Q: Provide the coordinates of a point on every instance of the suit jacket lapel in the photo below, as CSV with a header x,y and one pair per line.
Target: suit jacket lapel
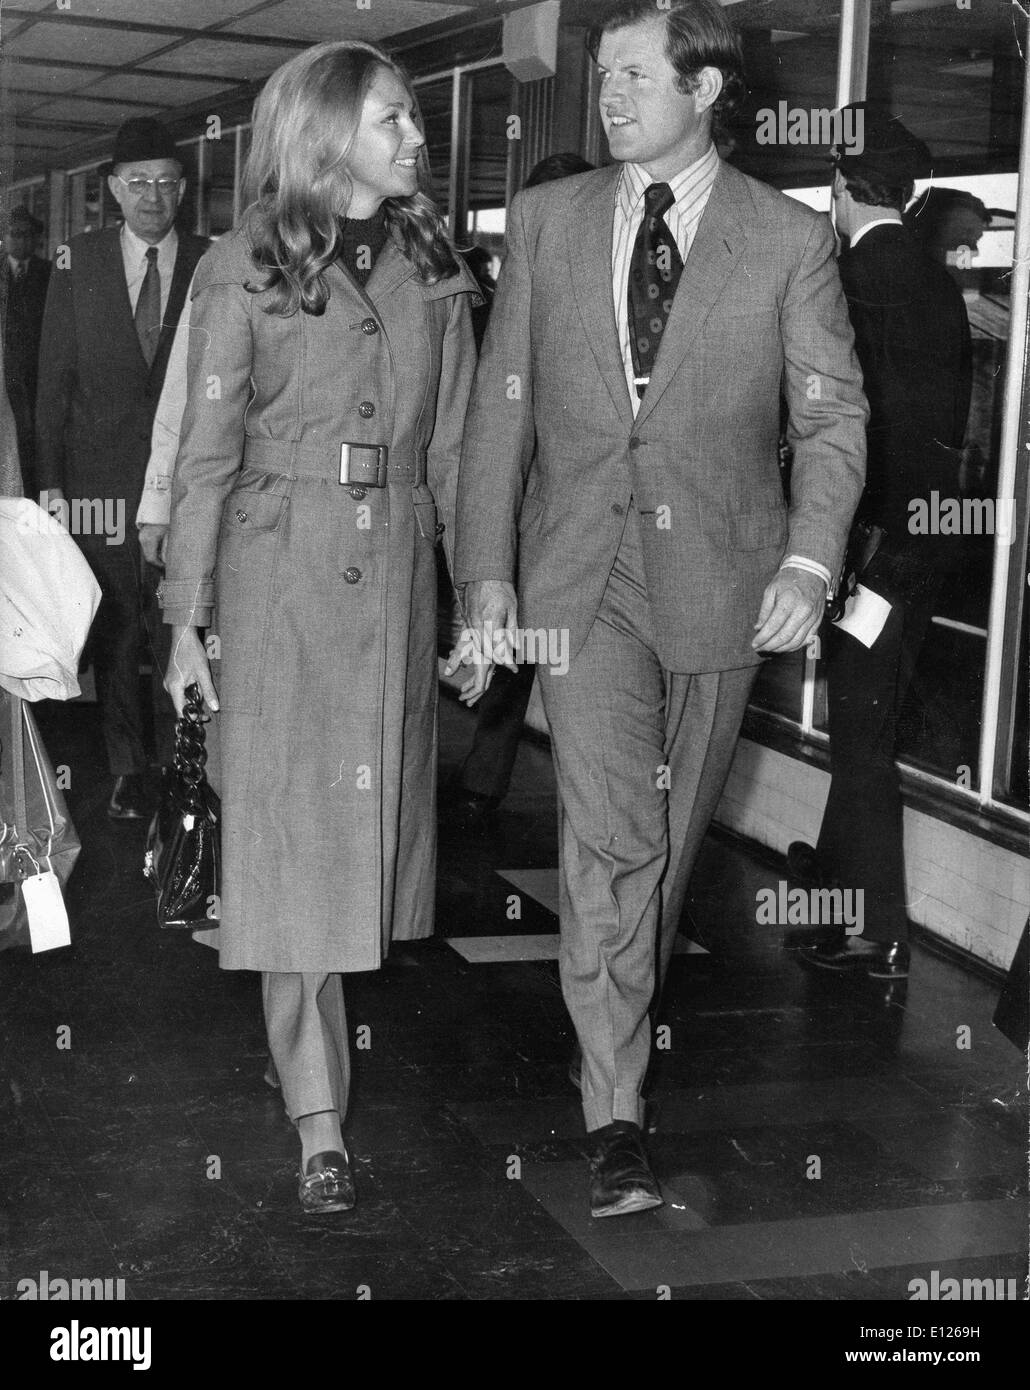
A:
x,y
114,290
589,230
717,247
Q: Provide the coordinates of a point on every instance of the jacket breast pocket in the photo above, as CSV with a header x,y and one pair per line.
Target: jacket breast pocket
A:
x,y
250,546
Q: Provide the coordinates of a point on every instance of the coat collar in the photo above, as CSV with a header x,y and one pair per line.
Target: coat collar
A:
x,y
589,230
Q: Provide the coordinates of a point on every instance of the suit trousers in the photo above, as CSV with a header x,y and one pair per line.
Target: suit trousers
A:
x,y
641,755
126,631
860,841
501,715
307,1037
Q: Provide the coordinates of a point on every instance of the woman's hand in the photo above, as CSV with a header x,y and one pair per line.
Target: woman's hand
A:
x,y
187,664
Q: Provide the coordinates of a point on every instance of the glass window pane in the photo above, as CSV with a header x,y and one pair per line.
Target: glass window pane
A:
x,y
434,98
221,168
491,101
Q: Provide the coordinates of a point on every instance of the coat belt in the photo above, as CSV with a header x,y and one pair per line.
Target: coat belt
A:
x,y
348,461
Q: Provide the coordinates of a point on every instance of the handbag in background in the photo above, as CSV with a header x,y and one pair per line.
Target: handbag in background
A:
x,y
38,843
183,858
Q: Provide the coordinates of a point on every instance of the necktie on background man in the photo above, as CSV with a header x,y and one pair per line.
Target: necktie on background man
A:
x,y
148,308
654,274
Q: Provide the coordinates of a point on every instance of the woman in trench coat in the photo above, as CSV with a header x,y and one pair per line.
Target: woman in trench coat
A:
x,y
330,362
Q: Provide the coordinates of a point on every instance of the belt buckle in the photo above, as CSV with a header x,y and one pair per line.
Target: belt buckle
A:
x,y
368,474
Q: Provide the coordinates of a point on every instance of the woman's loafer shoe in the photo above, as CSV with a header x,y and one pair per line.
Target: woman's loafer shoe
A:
x,y
327,1183
621,1180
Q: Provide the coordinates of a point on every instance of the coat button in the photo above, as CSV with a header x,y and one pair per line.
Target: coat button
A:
x,y
616,509
369,326
240,515
366,410
352,575
357,493
440,528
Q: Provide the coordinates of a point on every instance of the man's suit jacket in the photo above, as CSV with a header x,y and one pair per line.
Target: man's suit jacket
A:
x,y
759,305
97,396
913,342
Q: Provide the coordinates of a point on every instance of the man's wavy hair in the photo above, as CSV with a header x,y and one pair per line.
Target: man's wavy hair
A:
x,y
697,35
297,185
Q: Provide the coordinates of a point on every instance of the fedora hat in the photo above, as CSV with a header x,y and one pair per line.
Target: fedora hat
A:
x,y
141,139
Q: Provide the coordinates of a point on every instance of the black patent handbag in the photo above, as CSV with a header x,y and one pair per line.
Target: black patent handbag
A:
x,y
183,858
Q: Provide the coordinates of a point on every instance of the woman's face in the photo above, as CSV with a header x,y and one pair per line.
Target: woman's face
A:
x,y
383,158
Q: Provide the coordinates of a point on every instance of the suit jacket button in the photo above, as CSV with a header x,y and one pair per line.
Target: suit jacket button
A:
x,y
352,575
440,528
616,509
369,326
366,410
357,493
634,443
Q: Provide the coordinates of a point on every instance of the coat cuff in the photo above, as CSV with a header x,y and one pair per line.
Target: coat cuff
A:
x,y
186,603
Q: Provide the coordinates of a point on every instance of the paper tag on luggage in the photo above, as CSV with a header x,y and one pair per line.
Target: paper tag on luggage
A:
x,y
864,616
48,916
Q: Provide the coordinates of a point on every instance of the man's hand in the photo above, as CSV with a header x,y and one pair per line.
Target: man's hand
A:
x,y
490,609
792,609
153,541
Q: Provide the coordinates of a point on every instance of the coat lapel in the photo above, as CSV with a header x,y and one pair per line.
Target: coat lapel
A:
x,y
589,230
717,247
187,255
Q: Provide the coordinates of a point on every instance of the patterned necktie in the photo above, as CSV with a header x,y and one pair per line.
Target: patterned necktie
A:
x,y
148,308
654,273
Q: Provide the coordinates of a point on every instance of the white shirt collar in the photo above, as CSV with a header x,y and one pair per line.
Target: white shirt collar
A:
x,y
877,222
685,186
135,248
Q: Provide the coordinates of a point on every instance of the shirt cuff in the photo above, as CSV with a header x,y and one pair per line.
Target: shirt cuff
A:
x,y
799,562
155,506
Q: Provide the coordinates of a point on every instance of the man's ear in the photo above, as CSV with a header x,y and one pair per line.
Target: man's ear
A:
x,y
708,85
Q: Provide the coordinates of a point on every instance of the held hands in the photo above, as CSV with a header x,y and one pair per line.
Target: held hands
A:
x,y
188,663
792,609
153,541
490,609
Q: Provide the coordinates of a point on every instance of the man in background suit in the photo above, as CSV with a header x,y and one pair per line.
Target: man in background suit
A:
x,y
913,342
645,317
23,297
110,319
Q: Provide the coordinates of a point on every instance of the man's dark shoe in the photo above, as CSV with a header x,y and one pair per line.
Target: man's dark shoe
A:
x,y
880,960
621,1180
128,800
327,1183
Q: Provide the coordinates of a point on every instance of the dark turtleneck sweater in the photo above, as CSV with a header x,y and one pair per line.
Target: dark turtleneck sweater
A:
x,y
363,232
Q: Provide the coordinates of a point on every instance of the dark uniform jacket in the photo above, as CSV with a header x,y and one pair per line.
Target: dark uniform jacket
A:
x,y
913,343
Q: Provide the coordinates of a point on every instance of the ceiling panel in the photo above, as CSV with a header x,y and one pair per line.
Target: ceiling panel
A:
x,y
78,111
191,14
54,139
236,61
73,41
42,79
167,91
314,20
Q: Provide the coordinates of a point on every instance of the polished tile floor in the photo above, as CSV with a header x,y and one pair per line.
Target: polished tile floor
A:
x,y
815,1139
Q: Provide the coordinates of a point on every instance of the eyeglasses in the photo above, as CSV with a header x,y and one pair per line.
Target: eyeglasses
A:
x,y
137,187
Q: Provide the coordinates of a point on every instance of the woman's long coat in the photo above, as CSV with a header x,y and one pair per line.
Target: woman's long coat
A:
x,y
319,599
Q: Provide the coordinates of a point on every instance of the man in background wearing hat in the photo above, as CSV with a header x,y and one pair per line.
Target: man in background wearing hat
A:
x,y
24,277
913,342
110,318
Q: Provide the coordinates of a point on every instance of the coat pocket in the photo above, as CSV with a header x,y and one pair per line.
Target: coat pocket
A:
x,y
249,548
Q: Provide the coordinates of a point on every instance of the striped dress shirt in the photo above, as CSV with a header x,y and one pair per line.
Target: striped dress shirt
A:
x,y
691,190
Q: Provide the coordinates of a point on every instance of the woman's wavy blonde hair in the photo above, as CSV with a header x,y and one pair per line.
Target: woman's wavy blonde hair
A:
x,y
296,180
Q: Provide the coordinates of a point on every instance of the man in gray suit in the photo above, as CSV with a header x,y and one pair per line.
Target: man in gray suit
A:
x,y
645,319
